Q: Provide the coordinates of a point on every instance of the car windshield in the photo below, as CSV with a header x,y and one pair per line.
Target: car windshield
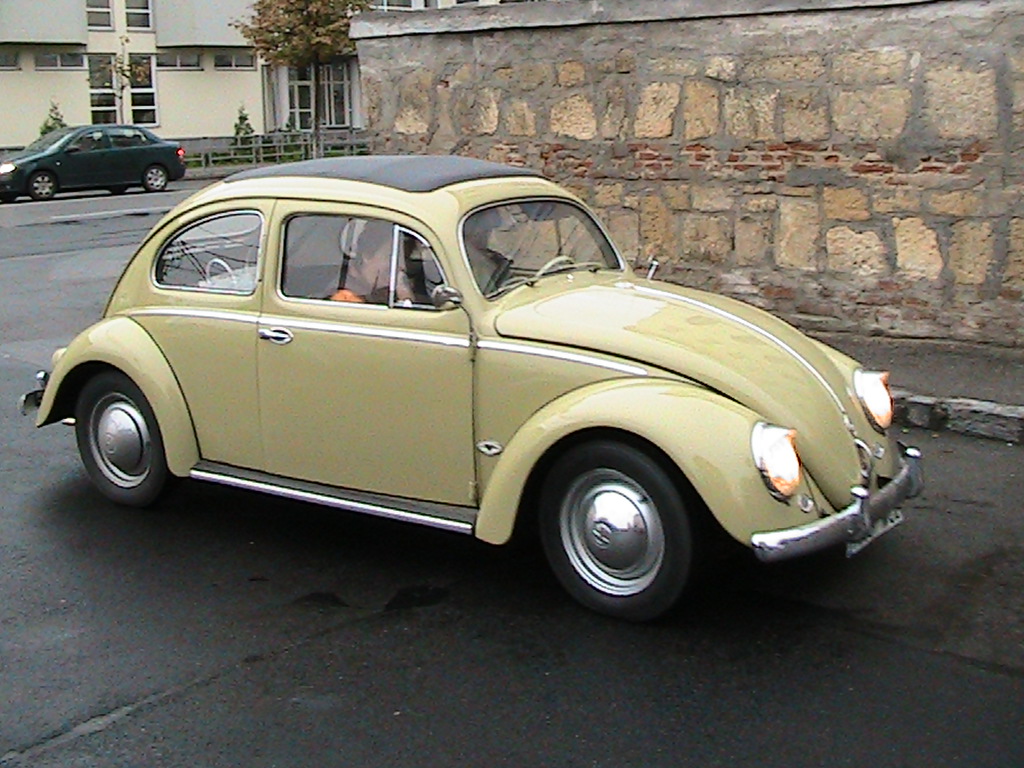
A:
x,y
518,243
48,140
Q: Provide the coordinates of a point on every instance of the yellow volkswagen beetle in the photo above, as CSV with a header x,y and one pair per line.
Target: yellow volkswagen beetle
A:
x,y
459,344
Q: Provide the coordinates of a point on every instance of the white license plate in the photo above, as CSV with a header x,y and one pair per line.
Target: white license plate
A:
x,y
881,526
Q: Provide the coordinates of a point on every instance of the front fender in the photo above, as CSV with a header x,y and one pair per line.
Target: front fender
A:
x,y
705,434
121,343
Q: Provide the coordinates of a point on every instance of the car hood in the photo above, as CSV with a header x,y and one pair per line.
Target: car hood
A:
x,y
18,156
737,350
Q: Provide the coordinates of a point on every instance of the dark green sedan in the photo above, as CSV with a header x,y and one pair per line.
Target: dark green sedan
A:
x,y
113,157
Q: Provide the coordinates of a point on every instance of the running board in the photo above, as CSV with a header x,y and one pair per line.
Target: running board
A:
x,y
447,517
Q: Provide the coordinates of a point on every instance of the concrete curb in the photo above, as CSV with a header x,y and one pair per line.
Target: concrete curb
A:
x,y
978,418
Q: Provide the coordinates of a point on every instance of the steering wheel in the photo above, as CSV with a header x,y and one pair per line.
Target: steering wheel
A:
x,y
498,276
225,268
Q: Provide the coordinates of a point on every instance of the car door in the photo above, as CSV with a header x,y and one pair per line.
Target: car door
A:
x,y
87,160
203,316
129,154
363,383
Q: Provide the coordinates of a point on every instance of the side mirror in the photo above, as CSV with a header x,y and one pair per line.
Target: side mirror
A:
x,y
445,296
71,149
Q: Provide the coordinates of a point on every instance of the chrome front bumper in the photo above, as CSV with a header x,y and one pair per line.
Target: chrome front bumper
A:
x,y
868,517
31,401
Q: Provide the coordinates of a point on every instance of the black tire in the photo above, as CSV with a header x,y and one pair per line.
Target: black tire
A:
x,y
155,179
119,440
42,185
616,531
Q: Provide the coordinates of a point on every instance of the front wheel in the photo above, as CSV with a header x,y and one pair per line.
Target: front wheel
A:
x,y
615,530
42,185
119,440
155,179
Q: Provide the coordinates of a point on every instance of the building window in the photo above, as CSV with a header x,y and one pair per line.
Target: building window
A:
x,y
234,60
138,14
98,14
60,60
102,100
8,59
336,89
397,5
142,89
178,60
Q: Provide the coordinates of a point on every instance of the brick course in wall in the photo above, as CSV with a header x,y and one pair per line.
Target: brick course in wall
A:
x,y
851,169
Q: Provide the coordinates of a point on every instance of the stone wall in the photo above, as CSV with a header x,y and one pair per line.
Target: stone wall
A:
x,y
849,168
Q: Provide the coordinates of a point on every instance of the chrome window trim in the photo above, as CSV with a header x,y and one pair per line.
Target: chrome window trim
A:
x,y
395,334
758,330
557,354
533,199
214,291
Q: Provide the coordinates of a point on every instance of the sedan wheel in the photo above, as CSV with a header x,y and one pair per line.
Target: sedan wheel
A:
x,y
42,185
155,179
119,440
615,530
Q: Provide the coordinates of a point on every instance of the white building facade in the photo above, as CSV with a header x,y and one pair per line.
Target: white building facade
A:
x,y
178,67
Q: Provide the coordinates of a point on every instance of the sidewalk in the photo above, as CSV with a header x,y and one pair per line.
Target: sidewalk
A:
x,y
975,389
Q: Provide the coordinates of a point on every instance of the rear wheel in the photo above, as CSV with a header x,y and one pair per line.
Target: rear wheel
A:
x,y
42,185
615,530
119,440
155,178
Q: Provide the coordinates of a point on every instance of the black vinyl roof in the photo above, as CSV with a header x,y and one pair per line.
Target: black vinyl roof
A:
x,y
410,173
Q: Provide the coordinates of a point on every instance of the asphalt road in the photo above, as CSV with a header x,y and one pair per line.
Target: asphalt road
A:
x,y
225,629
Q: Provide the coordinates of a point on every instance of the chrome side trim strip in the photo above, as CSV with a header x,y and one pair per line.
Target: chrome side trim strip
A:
x,y
360,330
557,354
444,516
756,329
205,314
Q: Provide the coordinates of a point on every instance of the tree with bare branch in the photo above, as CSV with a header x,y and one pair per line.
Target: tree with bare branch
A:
x,y
302,33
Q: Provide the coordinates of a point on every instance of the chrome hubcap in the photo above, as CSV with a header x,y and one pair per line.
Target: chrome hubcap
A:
x,y
612,532
120,441
155,179
43,186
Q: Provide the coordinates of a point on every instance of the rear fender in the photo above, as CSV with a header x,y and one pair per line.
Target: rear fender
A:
x,y
121,343
706,435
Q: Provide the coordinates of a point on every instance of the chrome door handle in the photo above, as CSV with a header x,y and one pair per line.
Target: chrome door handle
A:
x,y
276,335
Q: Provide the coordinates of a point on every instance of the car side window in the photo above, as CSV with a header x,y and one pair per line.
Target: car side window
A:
x,y
215,254
127,137
355,260
420,265
90,141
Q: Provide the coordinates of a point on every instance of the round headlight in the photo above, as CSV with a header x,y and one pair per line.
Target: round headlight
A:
x,y
775,455
6,168
872,388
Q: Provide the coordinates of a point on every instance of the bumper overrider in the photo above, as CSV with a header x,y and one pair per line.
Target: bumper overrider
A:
x,y
867,518
31,401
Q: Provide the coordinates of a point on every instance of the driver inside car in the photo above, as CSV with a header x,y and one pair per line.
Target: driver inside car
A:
x,y
366,274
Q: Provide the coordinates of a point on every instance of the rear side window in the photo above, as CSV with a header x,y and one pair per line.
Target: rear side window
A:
x,y
127,137
216,254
